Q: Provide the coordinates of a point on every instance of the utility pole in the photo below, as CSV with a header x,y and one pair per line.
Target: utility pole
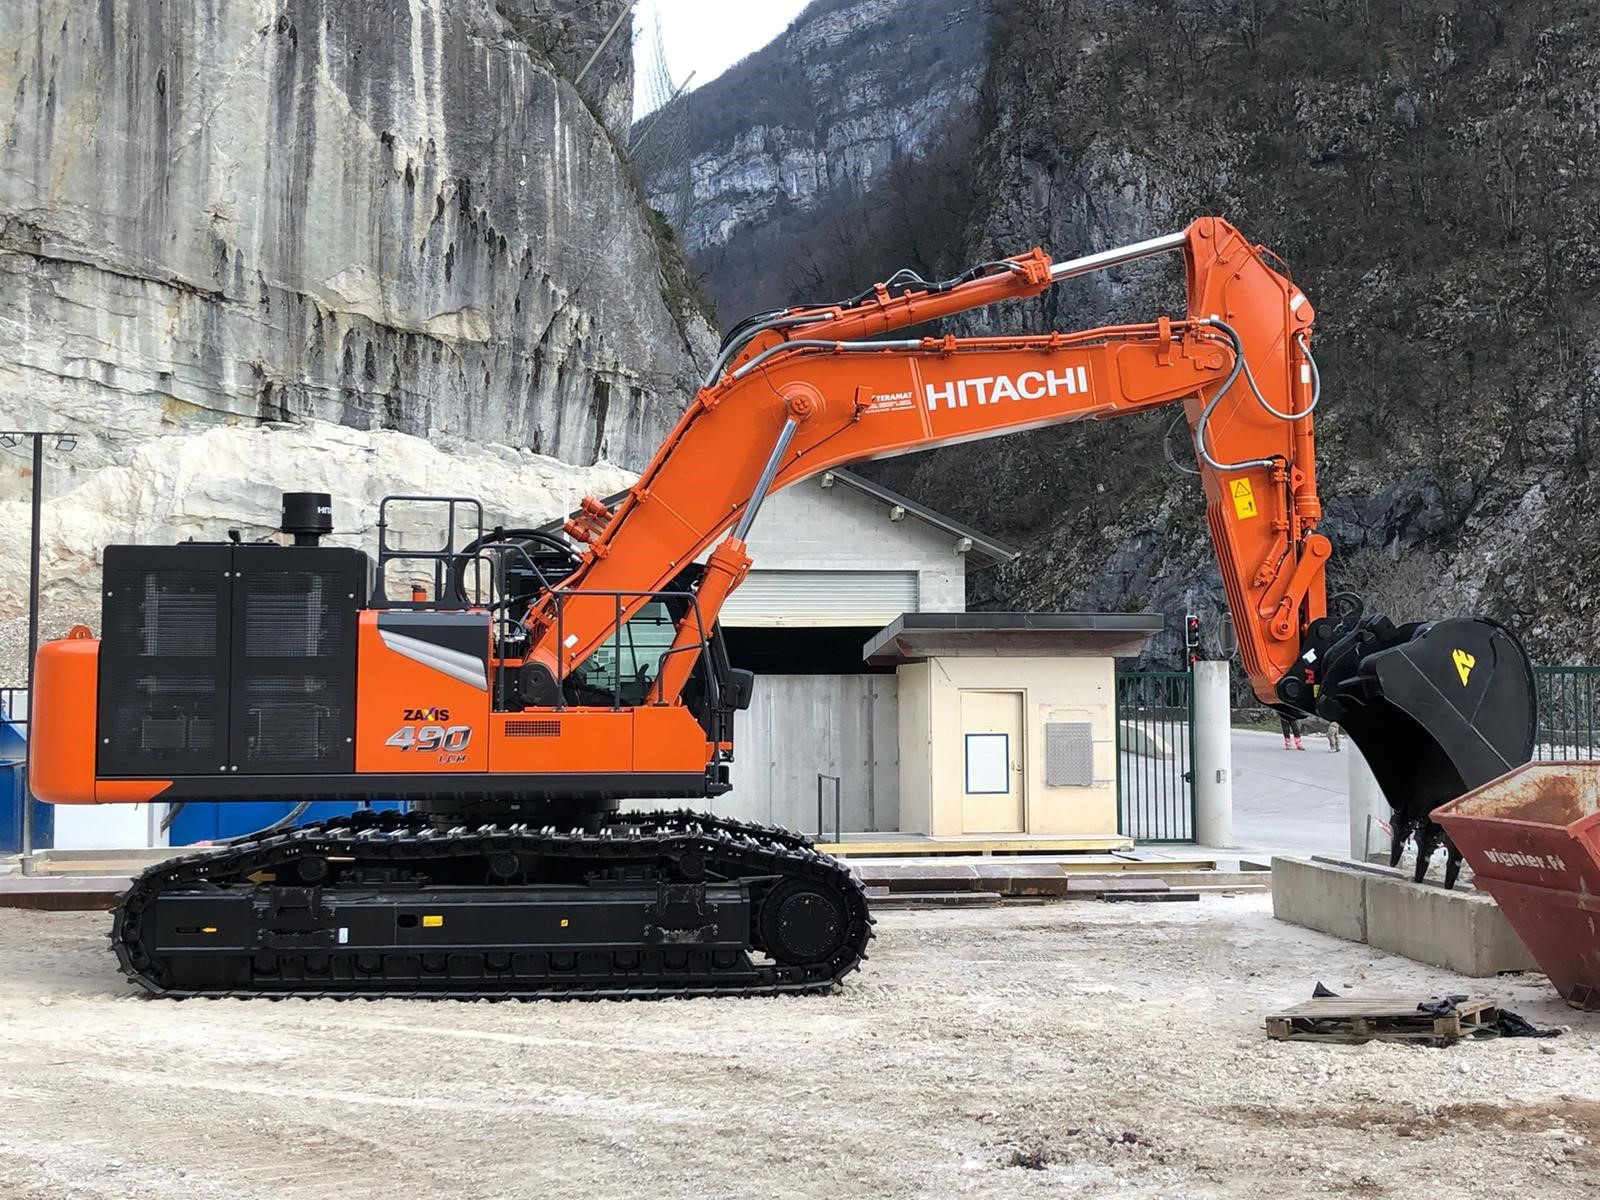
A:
x,y
65,442
615,25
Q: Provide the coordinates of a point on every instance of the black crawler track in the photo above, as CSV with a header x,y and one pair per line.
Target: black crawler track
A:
x,y
289,944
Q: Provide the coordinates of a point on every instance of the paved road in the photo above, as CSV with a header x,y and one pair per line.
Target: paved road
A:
x,y
1289,801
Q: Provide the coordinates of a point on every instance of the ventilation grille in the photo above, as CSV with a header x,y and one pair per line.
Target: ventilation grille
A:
x,y
1068,754
533,728
166,719
293,614
290,718
164,614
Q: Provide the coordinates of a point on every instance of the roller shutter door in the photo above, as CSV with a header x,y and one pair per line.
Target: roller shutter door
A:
x,y
865,598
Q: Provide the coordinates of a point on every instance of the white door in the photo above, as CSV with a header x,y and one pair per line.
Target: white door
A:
x,y
991,760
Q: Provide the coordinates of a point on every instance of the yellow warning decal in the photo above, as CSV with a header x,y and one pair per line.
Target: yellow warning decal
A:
x,y
1244,500
432,921
1464,664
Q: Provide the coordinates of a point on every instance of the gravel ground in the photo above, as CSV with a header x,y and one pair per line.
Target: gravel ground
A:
x,y
1076,1049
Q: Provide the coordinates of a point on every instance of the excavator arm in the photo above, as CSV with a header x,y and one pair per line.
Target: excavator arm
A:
x,y
798,392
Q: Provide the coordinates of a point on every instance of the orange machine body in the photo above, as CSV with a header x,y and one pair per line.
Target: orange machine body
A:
x,y
411,719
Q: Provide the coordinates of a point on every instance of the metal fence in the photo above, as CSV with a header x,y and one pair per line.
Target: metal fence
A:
x,y
1155,755
1569,712
14,707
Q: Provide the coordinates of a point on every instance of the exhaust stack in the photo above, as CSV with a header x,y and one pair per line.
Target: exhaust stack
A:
x,y
307,516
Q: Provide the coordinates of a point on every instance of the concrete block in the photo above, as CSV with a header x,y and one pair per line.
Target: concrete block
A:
x,y
919,877
1461,931
1320,896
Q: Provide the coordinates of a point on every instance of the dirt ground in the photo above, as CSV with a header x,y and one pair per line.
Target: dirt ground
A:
x,y
1075,1049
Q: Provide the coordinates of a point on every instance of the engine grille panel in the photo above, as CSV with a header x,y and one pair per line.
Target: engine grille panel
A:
x,y
294,667
235,658
163,661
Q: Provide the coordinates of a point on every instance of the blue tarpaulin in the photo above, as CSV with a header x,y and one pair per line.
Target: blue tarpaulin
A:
x,y
13,761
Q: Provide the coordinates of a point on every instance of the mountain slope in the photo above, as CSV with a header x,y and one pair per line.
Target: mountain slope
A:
x,y
1429,171
851,93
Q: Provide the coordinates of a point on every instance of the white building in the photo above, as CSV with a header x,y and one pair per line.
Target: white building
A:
x,y
837,557
904,728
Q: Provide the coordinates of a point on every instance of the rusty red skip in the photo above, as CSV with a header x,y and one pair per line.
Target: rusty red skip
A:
x,y
1532,838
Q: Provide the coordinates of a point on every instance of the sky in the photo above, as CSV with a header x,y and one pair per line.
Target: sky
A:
x,y
706,36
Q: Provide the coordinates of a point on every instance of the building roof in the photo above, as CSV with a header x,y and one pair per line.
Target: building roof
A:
x,y
913,637
982,550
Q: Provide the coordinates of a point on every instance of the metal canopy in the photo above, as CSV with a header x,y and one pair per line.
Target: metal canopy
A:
x,y
913,637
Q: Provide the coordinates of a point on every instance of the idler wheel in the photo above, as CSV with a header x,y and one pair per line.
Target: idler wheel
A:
x,y
802,922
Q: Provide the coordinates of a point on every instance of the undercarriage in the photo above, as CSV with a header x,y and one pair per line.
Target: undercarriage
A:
x,y
387,904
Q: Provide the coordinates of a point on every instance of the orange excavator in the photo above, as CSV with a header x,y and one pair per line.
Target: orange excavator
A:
x,y
537,682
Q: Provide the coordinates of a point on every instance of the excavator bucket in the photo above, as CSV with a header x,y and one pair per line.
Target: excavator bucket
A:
x,y
1436,708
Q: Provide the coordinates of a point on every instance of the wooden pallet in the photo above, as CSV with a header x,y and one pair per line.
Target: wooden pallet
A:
x,y
1357,1019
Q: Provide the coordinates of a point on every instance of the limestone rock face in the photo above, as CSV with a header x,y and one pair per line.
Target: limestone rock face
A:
x,y
850,87
570,34
203,483
389,214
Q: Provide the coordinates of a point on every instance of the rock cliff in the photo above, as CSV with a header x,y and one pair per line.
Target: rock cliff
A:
x,y
1430,173
387,215
818,115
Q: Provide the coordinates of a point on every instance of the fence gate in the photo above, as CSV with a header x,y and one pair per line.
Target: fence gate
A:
x,y
1569,712
1155,755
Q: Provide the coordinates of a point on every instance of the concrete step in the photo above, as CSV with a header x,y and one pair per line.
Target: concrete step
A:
x,y
887,900
99,862
75,893
1021,878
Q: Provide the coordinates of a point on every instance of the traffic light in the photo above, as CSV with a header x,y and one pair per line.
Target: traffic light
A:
x,y
1191,636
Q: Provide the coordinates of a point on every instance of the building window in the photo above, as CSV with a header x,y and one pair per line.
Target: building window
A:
x,y
988,764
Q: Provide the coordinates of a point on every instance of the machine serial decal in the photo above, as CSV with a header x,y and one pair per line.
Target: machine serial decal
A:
x,y
890,402
991,389
1464,664
449,744
1244,500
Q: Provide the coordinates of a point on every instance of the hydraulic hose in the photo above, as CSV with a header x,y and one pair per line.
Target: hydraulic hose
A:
x,y
1242,367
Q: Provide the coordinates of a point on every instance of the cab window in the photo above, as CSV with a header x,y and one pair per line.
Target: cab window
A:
x,y
644,641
